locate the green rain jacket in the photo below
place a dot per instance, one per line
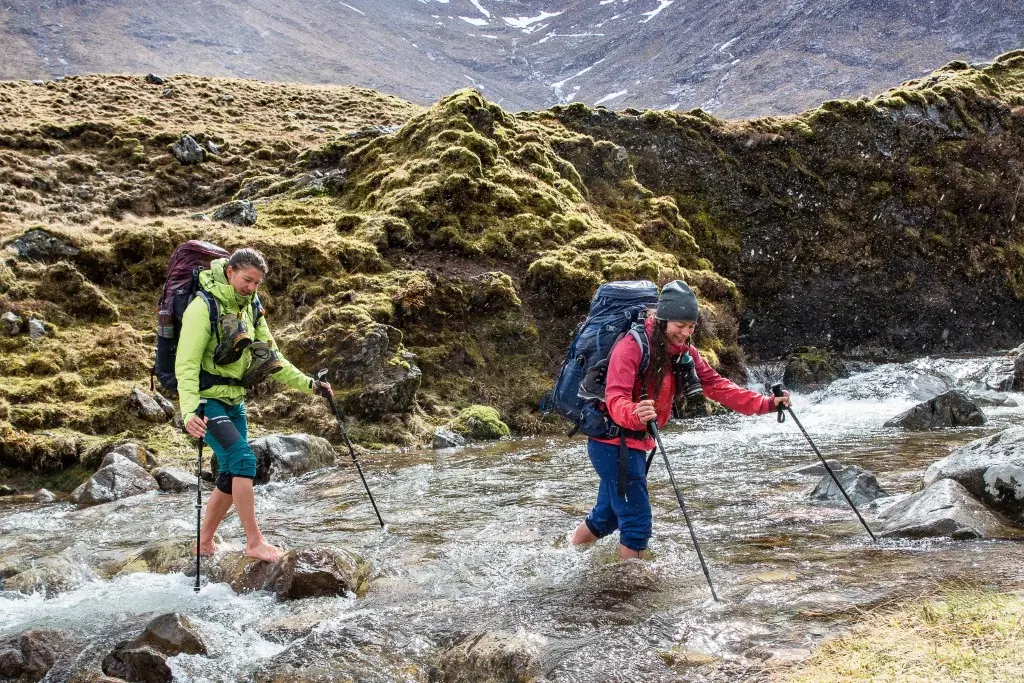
(197, 342)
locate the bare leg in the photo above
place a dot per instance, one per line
(216, 508)
(245, 504)
(583, 535)
(628, 553)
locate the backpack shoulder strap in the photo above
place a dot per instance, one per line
(638, 333)
(214, 308)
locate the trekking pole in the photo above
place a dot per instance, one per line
(652, 427)
(200, 413)
(352, 451)
(777, 390)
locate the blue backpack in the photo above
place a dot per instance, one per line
(617, 309)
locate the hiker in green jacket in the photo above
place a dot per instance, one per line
(219, 365)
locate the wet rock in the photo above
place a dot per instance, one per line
(165, 556)
(11, 324)
(285, 629)
(924, 386)
(6, 490)
(481, 422)
(859, 484)
(43, 496)
(145, 657)
(50, 576)
(244, 574)
(239, 212)
(992, 398)
(990, 469)
(319, 571)
(36, 329)
(118, 477)
(952, 409)
(944, 509)
(809, 369)
(143, 405)
(817, 469)
(154, 79)
(168, 407)
(281, 456)
(682, 657)
(40, 245)
(187, 151)
(446, 438)
(487, 657)
(29, 656)
(174, 480)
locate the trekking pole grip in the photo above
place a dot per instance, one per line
(779, 393)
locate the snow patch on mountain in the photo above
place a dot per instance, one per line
(662, 4)
(610, 97)
(527, 23)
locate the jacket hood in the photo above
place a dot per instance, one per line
(215, 281)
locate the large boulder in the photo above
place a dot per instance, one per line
(991, 469)
(281, 456)
(118, 477)
(29, 656)
(145, 657)
(860, 484)
(489, 657)
(377, 376)
(241, 212)
(39, 245)
(173, 480)
(446, 438)
(951, 409)
(811, 368)
(318, 571)
(145, 406)
(944, 509)
(133, 450)
(187, 151)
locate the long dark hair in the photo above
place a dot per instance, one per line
(660, 363)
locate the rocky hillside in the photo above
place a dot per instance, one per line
(436, 259)
(729, 57)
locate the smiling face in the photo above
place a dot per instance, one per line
(678, 332)
(245, 281)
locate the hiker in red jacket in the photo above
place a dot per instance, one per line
(633, 399)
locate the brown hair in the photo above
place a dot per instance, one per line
(247, 257)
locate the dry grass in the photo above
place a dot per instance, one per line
(965, 635)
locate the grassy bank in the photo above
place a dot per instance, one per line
(965, 635)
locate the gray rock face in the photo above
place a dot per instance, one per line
(446, 438)
(174, 480)
(952, 409)
(118, 477)
(859, 484)
(281, 456)
(43, 496)
(154, 79)
(187, 151)
(133, 450)
(10, 324)
(165, 404)
(240, 212)
(40, 245)
(36, 329)
(173, 634)
(944, 509)
(388, 387)
(489, 657)
(30, 655)
(143, 405)
(991, 469)
(319, 571)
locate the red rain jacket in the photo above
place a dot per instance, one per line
(623, 389)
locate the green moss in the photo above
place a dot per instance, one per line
(480, 422)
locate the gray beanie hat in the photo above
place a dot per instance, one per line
(677, 302)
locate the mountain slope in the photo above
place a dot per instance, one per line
(733, 58)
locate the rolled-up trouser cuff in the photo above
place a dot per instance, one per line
(224, 481)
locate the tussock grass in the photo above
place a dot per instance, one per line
(965, 635)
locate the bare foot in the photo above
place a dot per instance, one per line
(264, 551)
(205, 549)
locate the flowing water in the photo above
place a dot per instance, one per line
(477, 539)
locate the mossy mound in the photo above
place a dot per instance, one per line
(480, 422)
